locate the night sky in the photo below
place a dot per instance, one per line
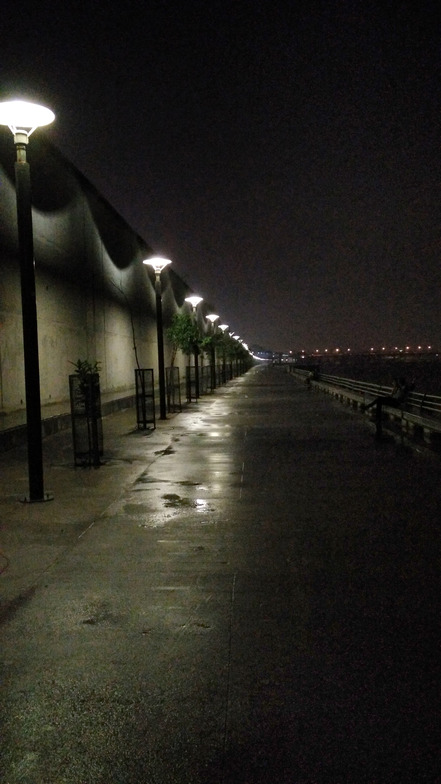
(285, 156)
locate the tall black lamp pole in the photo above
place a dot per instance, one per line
(212, 318)
(194, 301)
(22, 118)
(158, 265)
(222, 328)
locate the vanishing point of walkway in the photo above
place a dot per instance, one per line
(249, 594)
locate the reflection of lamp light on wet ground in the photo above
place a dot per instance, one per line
(158, 265)
(23, 118)
(194, 301)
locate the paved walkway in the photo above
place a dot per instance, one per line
(249, 594)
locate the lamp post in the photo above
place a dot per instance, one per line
(236, 359)
(212, 318)
(158, 265)
(194, 301)
(223, 328)
(23, 118)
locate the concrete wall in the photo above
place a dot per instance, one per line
(95, 298)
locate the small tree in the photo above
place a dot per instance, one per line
(183, 334)
(85, 368)
(85, 400)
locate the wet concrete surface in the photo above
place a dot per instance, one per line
(249, 594)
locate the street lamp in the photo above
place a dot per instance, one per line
(194, 301)
(23, 118)
(223, 328)
(236, 361)
(212, 318)
(158, 265)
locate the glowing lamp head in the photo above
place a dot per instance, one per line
(23, 118)
(158, 263)
(193, 300)
(212, 317)
(223, 327)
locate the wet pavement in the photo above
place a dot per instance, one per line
(251, 593)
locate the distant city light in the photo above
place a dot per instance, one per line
(339, 350)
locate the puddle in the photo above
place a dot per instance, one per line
(174, 501)
(168, 451)
(145, 479)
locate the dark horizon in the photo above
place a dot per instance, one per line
(286, 160)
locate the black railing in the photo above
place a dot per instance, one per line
(87, 426)
(145, 399)
(421, 402)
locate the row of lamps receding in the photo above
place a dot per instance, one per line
(22, 118)
(158, 264)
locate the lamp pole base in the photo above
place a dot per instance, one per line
(26, 499)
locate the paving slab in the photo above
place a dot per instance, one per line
(248, 594)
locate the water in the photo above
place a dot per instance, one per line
(424, 371)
